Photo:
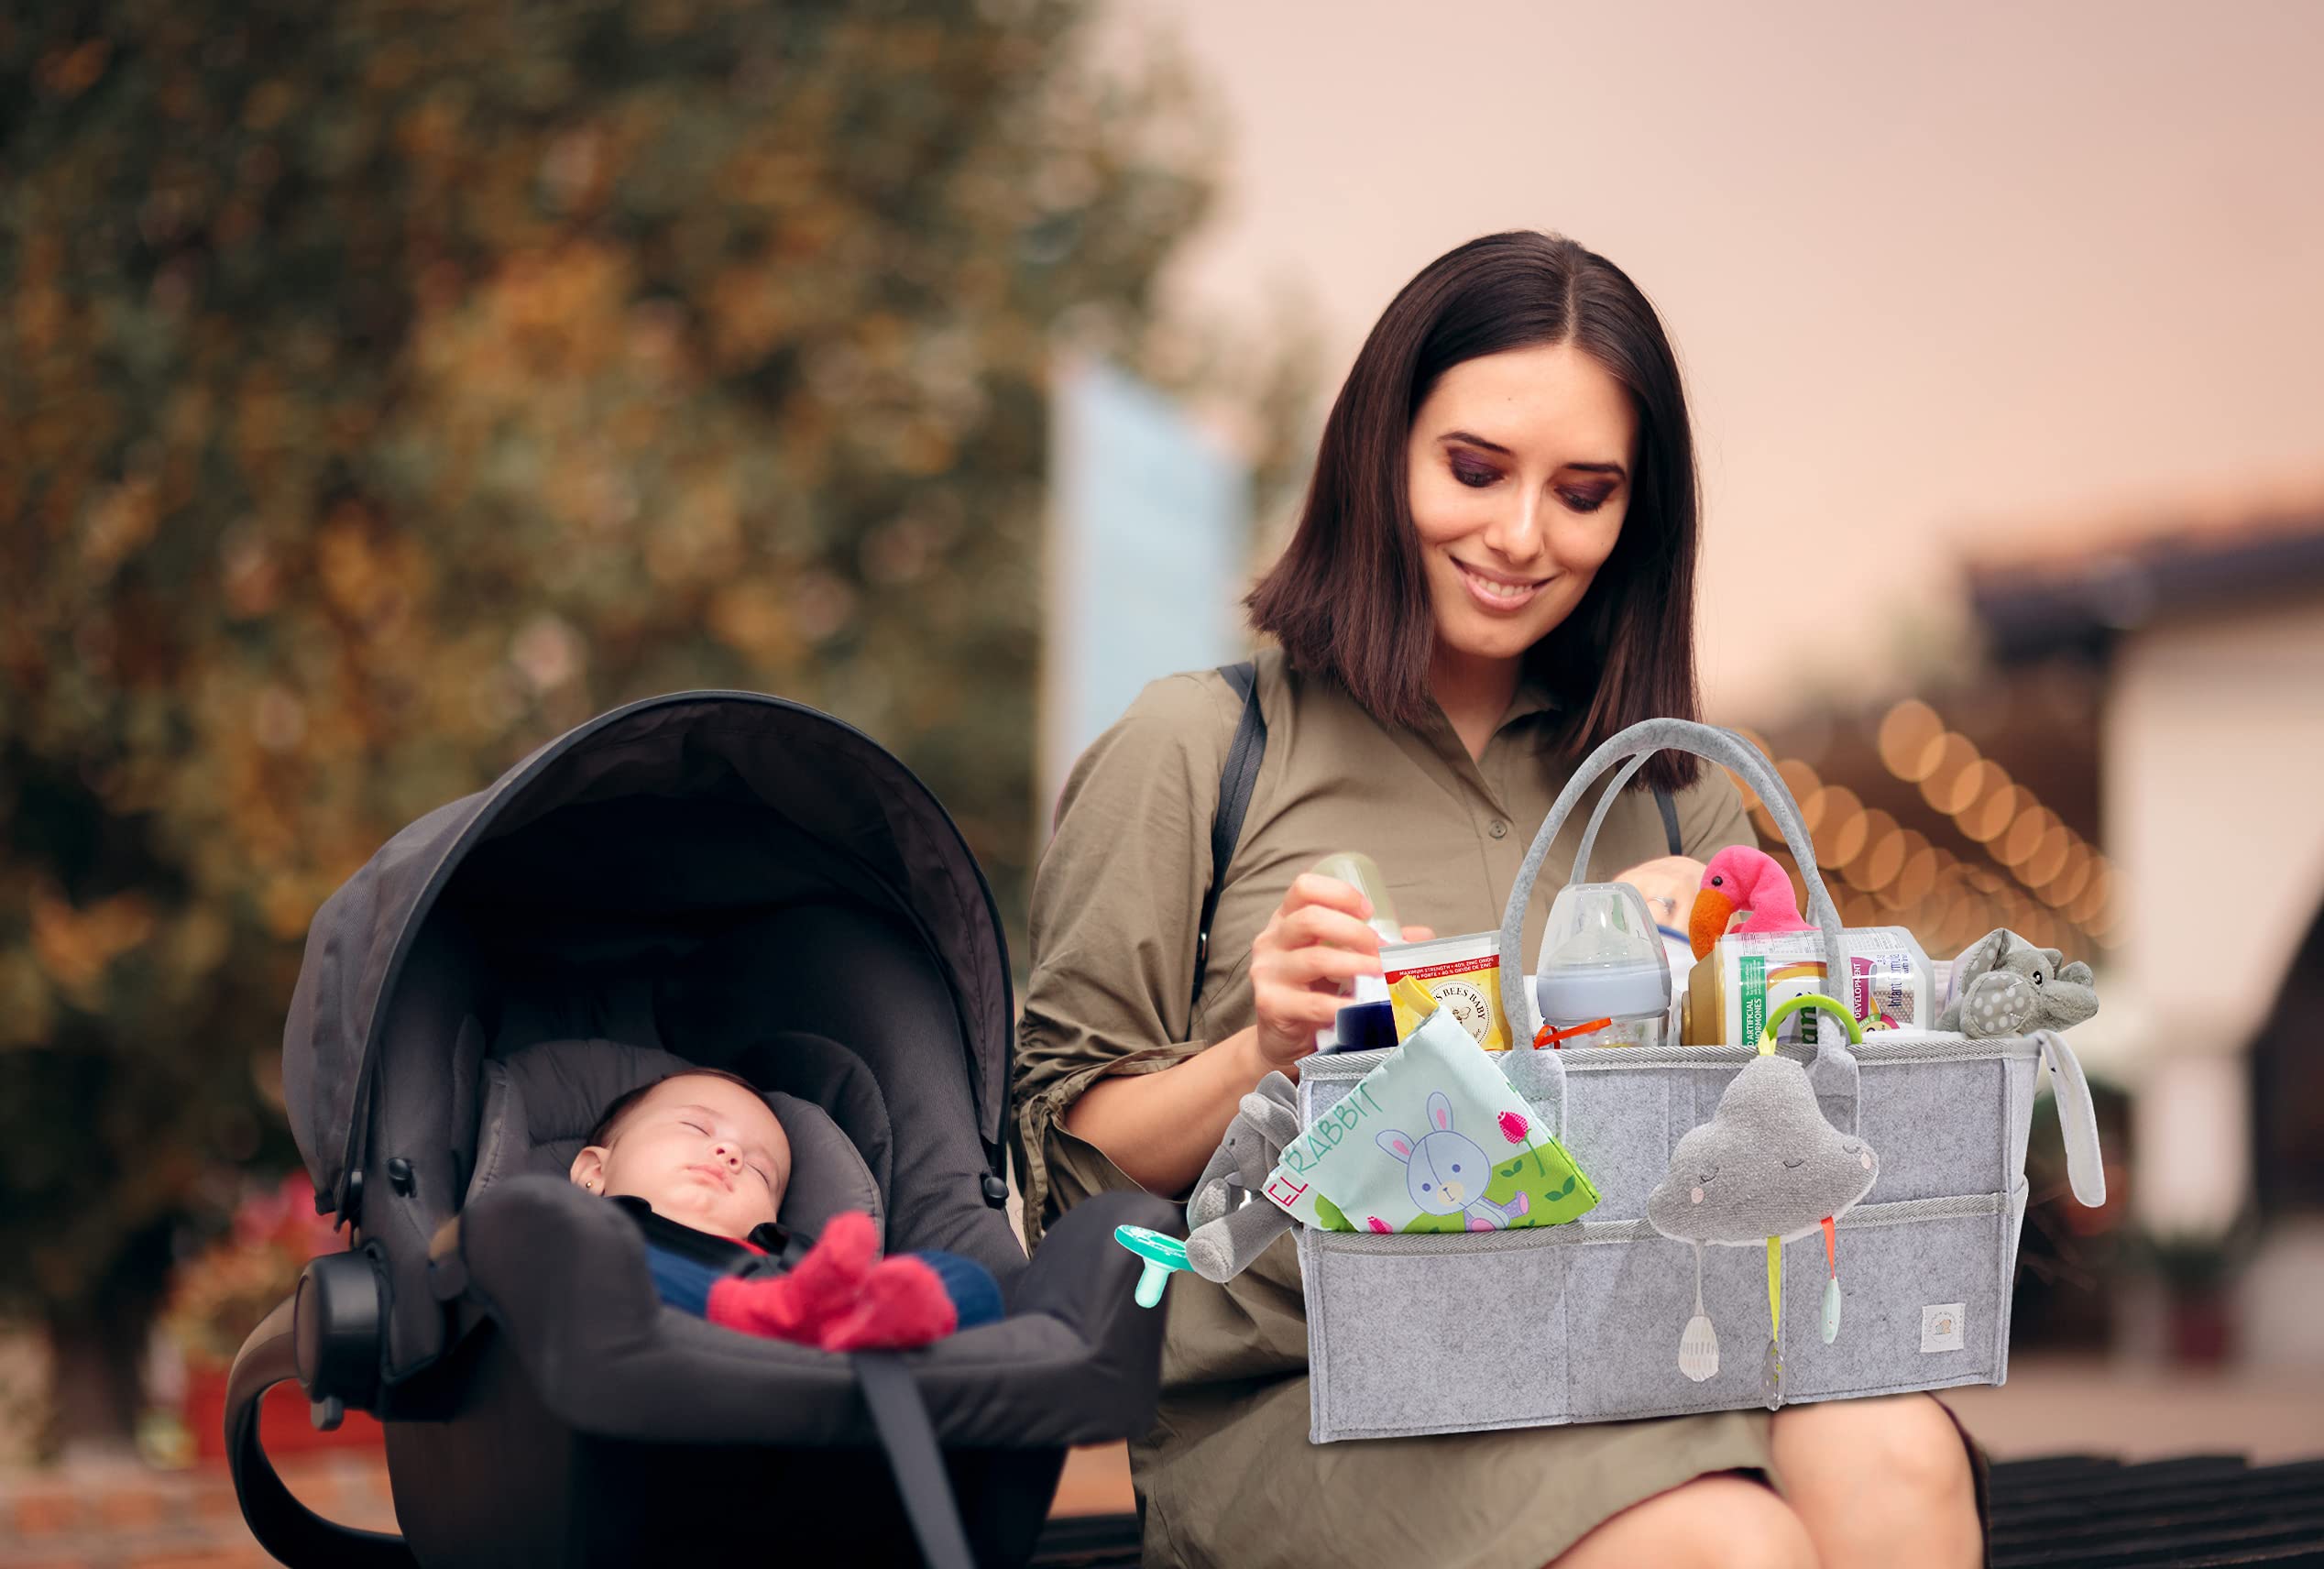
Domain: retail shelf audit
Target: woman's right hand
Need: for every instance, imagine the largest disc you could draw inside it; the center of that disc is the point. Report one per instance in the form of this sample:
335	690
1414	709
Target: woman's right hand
1313	945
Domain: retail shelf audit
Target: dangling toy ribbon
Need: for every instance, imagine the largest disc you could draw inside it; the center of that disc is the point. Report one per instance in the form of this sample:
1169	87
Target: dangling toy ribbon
1831	1285
1773	1373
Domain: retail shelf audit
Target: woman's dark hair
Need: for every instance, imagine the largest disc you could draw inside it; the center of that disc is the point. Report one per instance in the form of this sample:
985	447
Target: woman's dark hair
626	1103
1348	598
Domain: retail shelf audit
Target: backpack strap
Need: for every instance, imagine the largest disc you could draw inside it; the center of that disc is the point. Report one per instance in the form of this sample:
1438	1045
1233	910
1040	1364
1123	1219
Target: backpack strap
1669	811
1237	779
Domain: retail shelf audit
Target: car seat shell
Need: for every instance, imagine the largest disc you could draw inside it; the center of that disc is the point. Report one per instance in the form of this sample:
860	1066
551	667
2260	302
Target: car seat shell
715	878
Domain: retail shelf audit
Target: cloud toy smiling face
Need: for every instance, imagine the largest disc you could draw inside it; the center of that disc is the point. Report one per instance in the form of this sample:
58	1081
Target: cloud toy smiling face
1767	1164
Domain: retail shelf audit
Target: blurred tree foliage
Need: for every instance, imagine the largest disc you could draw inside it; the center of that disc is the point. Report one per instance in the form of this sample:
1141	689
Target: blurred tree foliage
385	386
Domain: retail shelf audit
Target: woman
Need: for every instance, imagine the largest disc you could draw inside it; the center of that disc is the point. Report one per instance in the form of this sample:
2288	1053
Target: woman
1494	572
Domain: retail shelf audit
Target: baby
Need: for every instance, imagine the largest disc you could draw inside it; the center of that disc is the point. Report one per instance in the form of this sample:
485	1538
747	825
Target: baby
700	1148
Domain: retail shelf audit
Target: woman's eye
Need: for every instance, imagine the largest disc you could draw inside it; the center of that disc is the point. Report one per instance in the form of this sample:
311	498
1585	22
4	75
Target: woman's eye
1474	475
1584	502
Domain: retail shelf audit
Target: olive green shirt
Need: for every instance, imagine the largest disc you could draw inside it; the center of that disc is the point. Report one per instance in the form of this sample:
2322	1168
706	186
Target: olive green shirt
1116	903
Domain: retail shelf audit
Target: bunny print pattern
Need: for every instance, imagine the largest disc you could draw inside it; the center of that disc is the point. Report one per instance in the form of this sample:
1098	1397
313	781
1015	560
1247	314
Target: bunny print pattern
1446	1171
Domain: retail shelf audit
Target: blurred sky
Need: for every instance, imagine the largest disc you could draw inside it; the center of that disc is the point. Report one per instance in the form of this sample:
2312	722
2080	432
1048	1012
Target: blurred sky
1937	274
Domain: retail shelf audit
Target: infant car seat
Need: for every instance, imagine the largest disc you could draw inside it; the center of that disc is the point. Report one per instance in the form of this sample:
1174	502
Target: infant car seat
713	878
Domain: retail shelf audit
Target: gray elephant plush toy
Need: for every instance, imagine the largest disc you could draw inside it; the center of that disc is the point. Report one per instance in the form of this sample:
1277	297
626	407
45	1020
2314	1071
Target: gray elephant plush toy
2003	985
1232	1220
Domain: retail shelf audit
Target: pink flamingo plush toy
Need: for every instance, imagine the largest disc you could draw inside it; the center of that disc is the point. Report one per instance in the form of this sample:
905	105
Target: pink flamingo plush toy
1742	878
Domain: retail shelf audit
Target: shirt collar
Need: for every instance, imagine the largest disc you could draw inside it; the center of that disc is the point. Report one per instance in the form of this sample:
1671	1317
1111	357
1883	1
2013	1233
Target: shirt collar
1532	697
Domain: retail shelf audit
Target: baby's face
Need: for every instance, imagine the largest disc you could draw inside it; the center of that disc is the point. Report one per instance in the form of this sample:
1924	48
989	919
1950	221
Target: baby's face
702	1152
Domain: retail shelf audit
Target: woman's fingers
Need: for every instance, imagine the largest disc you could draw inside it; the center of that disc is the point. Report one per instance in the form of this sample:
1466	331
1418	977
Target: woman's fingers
1306	966
1315	924
1310	889
1419	934
1292	1010
1318	940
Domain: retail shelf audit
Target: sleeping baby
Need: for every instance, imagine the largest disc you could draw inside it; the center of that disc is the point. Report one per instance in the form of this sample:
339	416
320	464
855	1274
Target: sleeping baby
701	1162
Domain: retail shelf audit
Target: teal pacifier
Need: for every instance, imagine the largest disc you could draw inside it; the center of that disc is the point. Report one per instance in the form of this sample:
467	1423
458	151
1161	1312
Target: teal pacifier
1162	1255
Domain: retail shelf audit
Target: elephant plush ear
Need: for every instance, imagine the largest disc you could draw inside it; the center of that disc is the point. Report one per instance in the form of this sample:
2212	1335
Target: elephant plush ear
2077	973
1980	957
2052	958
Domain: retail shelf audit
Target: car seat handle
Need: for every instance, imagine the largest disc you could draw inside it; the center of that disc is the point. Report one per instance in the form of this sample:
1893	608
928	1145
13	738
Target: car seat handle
284	1526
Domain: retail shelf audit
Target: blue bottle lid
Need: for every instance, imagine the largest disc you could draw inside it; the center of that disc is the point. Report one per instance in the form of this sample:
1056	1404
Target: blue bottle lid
1366	1026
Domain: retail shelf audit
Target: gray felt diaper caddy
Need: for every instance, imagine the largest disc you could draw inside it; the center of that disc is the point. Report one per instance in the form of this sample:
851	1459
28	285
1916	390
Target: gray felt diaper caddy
1581	1322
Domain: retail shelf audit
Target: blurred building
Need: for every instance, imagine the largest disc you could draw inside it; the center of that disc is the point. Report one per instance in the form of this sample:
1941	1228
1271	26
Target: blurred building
2134	778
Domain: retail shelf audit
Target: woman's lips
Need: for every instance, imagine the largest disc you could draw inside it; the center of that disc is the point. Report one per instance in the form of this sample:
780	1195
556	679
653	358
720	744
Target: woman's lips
1499	595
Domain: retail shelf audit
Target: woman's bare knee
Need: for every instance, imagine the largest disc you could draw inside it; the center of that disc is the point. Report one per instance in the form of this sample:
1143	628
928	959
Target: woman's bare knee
1903	1443
1894	1470
1712	1522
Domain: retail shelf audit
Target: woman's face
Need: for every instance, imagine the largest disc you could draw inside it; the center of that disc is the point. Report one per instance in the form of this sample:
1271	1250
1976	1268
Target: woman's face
1518	471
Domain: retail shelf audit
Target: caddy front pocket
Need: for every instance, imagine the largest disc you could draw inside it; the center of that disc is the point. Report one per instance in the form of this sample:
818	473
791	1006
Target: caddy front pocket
1924	1291
1628	1303
1434	1334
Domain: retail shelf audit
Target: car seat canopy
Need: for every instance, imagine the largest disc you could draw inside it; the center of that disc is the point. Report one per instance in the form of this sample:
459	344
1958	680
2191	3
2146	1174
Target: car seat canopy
648	834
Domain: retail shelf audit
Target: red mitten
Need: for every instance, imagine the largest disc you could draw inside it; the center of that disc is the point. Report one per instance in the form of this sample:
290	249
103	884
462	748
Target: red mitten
903	1304
802	1305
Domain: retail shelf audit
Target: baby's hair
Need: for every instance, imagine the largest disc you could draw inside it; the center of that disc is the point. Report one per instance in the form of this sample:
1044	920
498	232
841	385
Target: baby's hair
624	1104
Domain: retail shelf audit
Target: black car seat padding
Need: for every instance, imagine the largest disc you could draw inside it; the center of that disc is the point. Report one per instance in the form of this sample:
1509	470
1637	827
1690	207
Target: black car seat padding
539	1105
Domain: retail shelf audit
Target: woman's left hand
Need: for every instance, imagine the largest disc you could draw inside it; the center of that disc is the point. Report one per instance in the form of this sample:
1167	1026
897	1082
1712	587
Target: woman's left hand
1669	883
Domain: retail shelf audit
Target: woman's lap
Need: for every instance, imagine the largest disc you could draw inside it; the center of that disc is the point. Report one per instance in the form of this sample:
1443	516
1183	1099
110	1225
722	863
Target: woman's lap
1232	1482
1229	1480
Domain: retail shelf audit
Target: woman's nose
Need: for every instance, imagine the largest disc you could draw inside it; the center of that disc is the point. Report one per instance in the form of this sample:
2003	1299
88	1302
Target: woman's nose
1517	533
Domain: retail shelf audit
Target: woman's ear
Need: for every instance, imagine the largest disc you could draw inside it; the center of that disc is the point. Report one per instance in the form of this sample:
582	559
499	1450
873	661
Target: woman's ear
588	1168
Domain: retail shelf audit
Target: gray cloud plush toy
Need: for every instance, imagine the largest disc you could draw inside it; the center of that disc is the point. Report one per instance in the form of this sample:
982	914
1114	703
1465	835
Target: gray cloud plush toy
1767	1164
2003	985
1767	1167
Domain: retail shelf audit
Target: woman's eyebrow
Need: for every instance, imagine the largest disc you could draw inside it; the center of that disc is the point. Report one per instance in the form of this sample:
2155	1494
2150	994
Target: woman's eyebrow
1470	438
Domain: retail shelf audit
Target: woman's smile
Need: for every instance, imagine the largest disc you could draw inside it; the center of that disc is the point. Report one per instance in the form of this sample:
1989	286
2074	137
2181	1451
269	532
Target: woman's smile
1499	593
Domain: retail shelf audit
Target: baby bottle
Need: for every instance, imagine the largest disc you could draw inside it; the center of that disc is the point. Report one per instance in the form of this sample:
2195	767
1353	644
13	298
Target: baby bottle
1363	873
1603	978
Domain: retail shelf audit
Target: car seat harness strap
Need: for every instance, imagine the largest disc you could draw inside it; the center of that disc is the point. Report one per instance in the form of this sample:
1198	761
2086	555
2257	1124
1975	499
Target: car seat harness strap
901	1419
